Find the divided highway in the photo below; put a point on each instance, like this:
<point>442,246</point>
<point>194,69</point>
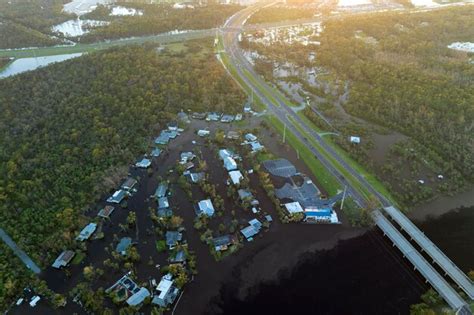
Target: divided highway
<point>277,105</point>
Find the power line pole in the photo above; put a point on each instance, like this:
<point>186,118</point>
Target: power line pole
<point>343,197</point>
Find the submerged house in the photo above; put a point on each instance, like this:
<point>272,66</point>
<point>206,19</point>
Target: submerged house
<point>63,259</point>
<point>86,232</point>
<point>163,203</point>
<point>229,163</point>
<point>156,152</point>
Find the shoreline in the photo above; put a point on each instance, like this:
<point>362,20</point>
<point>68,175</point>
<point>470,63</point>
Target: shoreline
<point>442,205</point>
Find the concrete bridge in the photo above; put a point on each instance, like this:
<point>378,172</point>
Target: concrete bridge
<point>432,250</point>
<point>432,276</point>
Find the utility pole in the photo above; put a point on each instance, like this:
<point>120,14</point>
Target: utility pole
<point>297,154</point>
<point>343,197</point>
<point>284,133</point>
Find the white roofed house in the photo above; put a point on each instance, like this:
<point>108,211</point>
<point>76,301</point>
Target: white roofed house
<point>117,197</point>
<point>294,207</point>
<point>166,291</point>
<point>229,163</point>
<point>86,232</point>
<point>250,137</point>
<point>235,177</point>
<point>354,139</point>
<point>144,163</point>
<point>205,207</point>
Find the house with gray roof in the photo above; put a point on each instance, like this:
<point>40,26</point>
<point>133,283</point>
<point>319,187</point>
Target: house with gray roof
<point>123,245</point>
<point>138,297</point>
<point>129,183</point>
<point>161,190</point>
<point>173,238</point>
<point>222,243</point>
<point>63,259</point>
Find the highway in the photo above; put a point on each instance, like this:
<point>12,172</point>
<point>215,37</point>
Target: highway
<point>347,176</point>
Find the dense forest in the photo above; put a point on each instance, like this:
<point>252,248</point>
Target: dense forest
<point>67,129</point>
<point>28,23</point>
<point>280,13</point>
<point>158,19</point>
<point>401,76</point>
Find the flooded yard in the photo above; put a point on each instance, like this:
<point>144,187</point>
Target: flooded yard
<point>77,27</point>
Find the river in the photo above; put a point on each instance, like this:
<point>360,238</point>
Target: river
<point>362,275</point>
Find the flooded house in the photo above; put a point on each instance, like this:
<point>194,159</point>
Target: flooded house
<point>162,190</point>
<point>252,229</point>
<point>235,177</point>
<point>117,197</point>
<point>87,232</point>
<point>129,184</point>
<point>63,259</point>
<point>173,238</point>
<point>144,163</point>
<point>222,243</point>
<point>106,212</point>
<point>166,292</point>
<point>156,152</point>
<point>205,207</point>
<point>123,245</point>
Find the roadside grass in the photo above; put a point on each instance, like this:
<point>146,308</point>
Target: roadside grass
<point>62,50</point>
<point>353,181</point>
<point>328,182</point>
<point>370,177</point>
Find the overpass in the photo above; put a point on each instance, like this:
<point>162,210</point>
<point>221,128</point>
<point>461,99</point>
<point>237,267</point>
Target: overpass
<point>432,250</point>
<point>427,271</point>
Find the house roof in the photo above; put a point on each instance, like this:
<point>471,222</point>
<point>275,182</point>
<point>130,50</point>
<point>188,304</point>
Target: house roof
<point>165,212</point>
<point>229,163</point>
<point>194,177</point>
<point>293,207</point>
<point>235,177</point>
<point>86,232</point>
<point>117,197</point>
<point>206,207</point>
<point>63,259</point>
<point>256,146</point>
<point>173,237</point>
<point>106,211</point>
<point>144,163</point>
<point>187,156</point>
<point>249,231</point>
<point>161,190</point>
<point>179,257</point>
<point>250,137</point>
<point>123,245</point>
<point>129,183</point>
<point>223,240</point>
<point>163,202</point>
<point>256,224</point>
<point>156,152</point>
<point>244,194</point>
<point>163,138</point>
<point>138,297</point>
